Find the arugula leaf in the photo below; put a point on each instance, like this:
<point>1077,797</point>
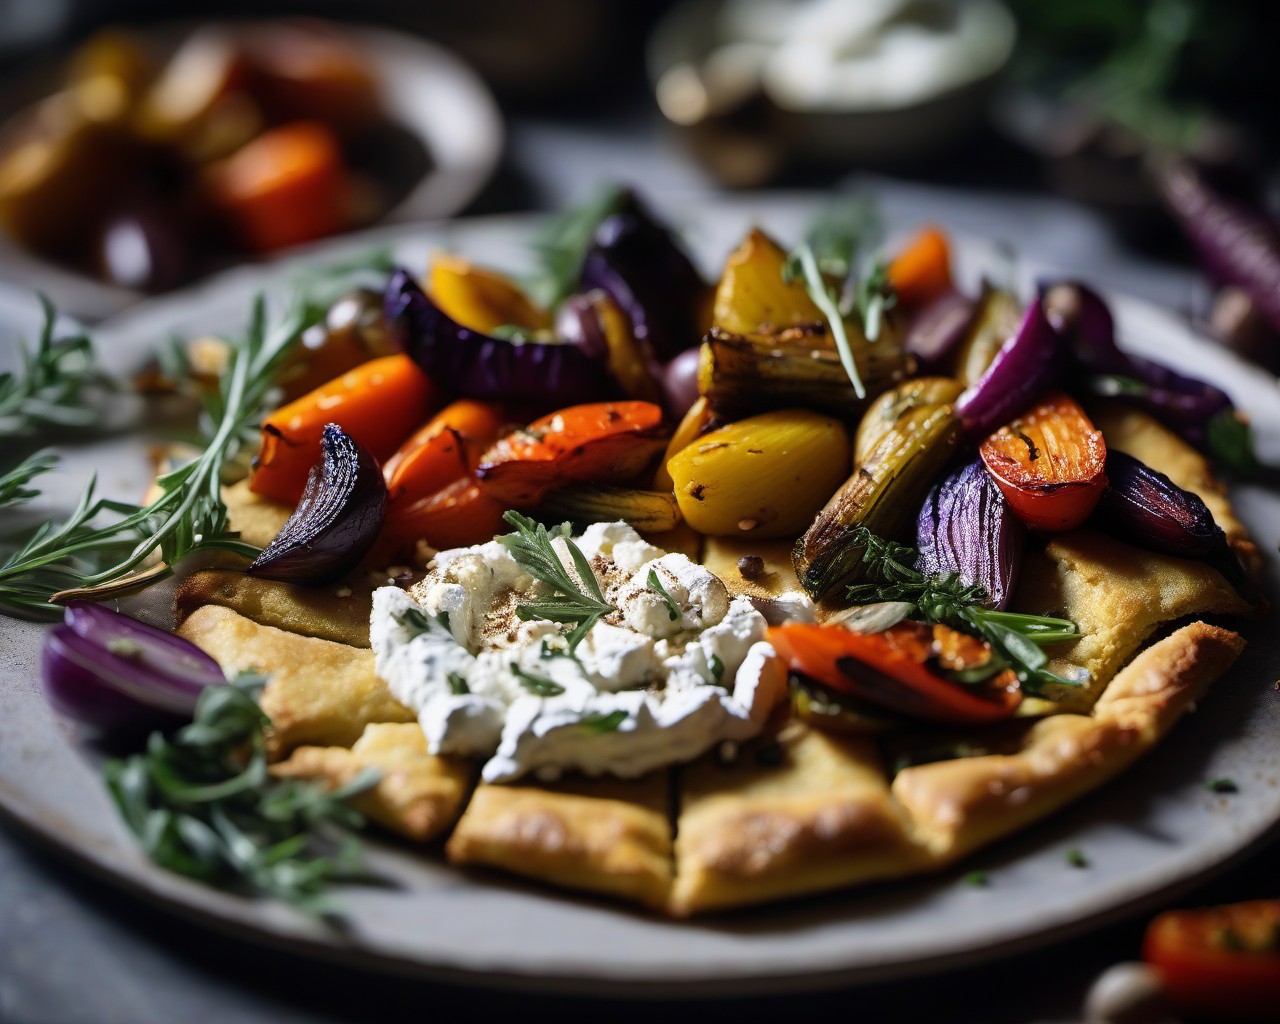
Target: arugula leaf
<point>580,602</point>
<point>203,804</point>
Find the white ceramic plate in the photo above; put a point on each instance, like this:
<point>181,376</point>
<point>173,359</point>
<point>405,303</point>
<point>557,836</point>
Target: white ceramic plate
<point>425,88</point>
<point>1154,830</point>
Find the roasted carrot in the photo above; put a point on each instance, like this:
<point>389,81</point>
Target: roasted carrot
<point>448,447</point>
<point>602,442</point>
<point>377,403</point>
<point>481,299</point>
<point>892,670</point>
<point>458,515</point>
<point>922,270</point>
<point>286,187</point>
<point>1049,463</point>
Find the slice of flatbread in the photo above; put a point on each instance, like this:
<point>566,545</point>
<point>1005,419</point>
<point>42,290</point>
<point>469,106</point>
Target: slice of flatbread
<point>1118,596</point>
<point>958,806</point>
<point>255,518</point>
<point>815,814</point>
<point>318,692</point>
<point>610,836</point>
<point>417,795</point>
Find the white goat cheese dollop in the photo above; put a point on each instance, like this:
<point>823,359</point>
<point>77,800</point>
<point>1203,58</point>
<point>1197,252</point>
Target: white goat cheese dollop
<point>645,687</point>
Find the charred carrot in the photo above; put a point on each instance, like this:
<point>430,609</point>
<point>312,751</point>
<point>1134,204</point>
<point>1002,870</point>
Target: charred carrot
<point>448,447</point>
<point>377,404</point>
<point>603,442</point>
<point>1049,463</point>
<point>481,299</point>
<point>458,515</point>
<point>922,270</point>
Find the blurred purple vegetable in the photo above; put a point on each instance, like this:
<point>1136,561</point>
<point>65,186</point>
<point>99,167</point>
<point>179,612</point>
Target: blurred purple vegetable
<point>336,521</point>
<point>578,324</point>
<point>1197,410</point>
<point>120,676</point>
<point>937,328</point>
<point>1144,507</point>
<point>1237,245</point>
<point>647,273</point>
<point>142,246</point>
<point>1025,366</point>
<point>476,365</point>
<point>967,527</point>
<point>680,381</point>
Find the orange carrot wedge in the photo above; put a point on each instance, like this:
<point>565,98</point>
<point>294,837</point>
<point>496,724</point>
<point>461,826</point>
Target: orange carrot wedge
<point>447,448</point>
<point>378,404</point>
<point>922,270</point>
<point>458,515</point>
<point>602,442</point>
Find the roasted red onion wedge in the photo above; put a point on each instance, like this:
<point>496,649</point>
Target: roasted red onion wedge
<point>966,527</point>
<point>935,330</point>
<point>118,675</point>
<point>337,520</point>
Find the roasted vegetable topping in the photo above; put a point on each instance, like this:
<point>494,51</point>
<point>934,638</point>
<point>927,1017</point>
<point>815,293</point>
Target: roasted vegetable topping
<point>1050,463</point>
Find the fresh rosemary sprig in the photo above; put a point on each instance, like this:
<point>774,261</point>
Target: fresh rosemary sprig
<point>655,584</point>
<point>578,602</point>
<point>87,555</point>
<point>562,244</point>
<point>541,686</point>
<point>828,262</point>
<point>48,391</point>
<point>203,804</point>
<point>13,484</point>
<point>947,599</point>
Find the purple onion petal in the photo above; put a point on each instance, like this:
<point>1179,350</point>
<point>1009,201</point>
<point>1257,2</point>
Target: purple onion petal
<point>937,328</point>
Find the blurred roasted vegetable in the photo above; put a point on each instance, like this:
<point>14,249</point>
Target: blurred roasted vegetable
<point>764,476</point>
<point>921,272</point>
<point>378,404</point>
<point>647,511</point>
<point>336,521</point>
<point>601,443</point>
<point>642,266</point>
<point>1050,464</point>
<point>967,528</point>
<point>745,374</point>
<point>752,296</point>
<point>481,366</point>
<point>993,323</point>
<point>883,495</point>
<point>482,300</point>
<point>936,329</point>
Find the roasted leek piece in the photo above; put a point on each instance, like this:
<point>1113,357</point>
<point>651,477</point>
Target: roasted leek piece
<point>885,412</point>
<point>883,495</point>
<point>647,511</point>
<point>742,374</point>
<point>994,322</point>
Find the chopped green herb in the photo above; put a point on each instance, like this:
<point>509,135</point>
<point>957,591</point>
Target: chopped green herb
<point>578,603</point>
<point>600,722</point>
<point>561,246</point>
<point>458,684</point>
<point>13,484</point>
<point>541,686</point>
<point>655,584</point>
<point>48,390</point>
<point>978,879</point>
<point>1016,638</point>
<point>1222,785</point>
<point>1076,858</point>
<point>204,805</point>
<point>717,669</point>
<point>418,623</point>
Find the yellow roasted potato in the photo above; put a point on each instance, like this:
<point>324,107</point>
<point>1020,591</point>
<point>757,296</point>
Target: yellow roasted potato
<point>765,476</point>
<point>752,295</point>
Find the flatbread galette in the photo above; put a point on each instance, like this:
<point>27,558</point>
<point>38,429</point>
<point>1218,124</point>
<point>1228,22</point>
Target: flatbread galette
<point>797,809</point>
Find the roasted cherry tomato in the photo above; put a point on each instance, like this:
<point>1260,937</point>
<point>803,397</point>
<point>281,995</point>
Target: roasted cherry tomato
<point>895,669</point>
<point>1220,962</point>
<point>1049,463</point>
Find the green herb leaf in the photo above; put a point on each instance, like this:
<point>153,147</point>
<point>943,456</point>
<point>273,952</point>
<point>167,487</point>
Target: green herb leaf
<point>48,391</point>
<point>14,489</point>
<point>978,879</point>
<point>579,602</point>
<point>1230,440</point>
<point>458,684</point>
<point>561,246</point>
<point>541,686</point>
<point>717,669</point>
<point>600,722</point>
<point>203,804</point>
<point>1076,858</point>
<point>655,584</point>
<point>1222,785</point>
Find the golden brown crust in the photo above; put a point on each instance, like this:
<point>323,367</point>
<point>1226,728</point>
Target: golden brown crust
<point>337,612</point>
<point>255,518</point>
<point>820,819</point>
<point>417,794</point>
<point>957,806</point>
<point>721,556</point>
<point>608,836</point>
<point>1129,430</point>
<point>319,692</point>
<point>1117,595</point>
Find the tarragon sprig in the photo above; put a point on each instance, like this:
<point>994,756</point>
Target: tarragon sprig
<point>48,390</point>
<point>577,602</point>
<point>204,805</point>
<point>828,263</point>
<point>946,598</point>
